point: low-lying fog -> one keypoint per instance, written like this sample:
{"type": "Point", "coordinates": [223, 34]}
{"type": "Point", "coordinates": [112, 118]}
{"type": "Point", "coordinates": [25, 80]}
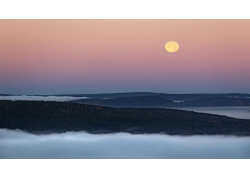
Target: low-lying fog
{"type": "Point", "coordinates": [242, 112]}
{"type": "Point", "coordinates": [41, 98]}
{"type": "Point", "coordinates": [19, 144]}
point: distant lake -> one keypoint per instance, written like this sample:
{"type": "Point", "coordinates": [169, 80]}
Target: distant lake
{"type": "Point", "coordinates": [242, 112]}
{"type": "Point", "coordinates": [82, 145]}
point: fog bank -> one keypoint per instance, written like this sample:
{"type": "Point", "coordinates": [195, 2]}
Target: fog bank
{"type": "Point", "coordinates": [241, 112]}
{"type": "Point", "coordinates": [41, 98]}
{"type": "Point", "coordinates": [19, 144]}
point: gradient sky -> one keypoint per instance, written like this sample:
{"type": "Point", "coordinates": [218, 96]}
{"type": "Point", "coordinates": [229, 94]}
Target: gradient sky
{"type": "Point", "coordinates": [104, 56]}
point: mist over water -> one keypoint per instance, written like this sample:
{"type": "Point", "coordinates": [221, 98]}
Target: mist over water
{"type": "Point", "coordinates": [19, 144]}
{"type": "Point", "coordinates": [41, 98]}
{"type": "Point", "coordinates": [241, 112]}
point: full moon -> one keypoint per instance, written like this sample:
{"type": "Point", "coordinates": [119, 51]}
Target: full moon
{"type": "Point", "coordinates": [172, 46]}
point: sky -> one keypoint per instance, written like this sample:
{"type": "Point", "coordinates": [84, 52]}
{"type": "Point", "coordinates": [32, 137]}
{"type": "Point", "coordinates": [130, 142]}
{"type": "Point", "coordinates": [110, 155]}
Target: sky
{"type": "Point", "coordinates": [109, 56]}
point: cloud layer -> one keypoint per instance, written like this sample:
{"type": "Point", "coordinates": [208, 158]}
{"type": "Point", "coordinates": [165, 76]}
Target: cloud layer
{"type": "Point", "coordinates": [19, 144]}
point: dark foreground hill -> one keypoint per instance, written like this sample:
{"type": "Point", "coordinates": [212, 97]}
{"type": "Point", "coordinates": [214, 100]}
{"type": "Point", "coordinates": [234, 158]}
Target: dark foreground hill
{"type": "Point", "coordinates": [42, 116]}
{"type": "Point", "coordinates": [157, 101]}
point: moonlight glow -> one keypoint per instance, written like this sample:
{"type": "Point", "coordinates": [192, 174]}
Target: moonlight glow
{"type": "Point", "coordinates": [172, 46]}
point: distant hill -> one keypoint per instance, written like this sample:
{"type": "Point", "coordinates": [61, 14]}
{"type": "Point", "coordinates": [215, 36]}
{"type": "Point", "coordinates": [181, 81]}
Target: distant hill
{"type": "Point", "coordinates": [158, 101]}
{"type": "Point", "coordinates": [136, 101]}
{"type": "Point", "coordinates": [184, 97]}
{"type": "Point", "coordinates": [216, 102]}
{"type": "Point", "coordinates": [172, 97]}
{"type": "Point", "coordinates": [42, 116]}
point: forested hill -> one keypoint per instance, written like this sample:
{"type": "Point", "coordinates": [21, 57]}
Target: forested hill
{"type": "Point", "coordinates": [137, 101]}
{"type": "Point", "coordinates": [184, 97]}
{"type": "Point", "coordinates": [41, 116]}
{"type": "Point", "coordinates": [156, 101]}
{"type": "Point", "coordinates": [217, 101]}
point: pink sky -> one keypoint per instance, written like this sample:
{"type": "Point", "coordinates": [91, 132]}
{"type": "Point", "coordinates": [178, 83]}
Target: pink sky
{"type": "Point", "coordinates": [95, 56]}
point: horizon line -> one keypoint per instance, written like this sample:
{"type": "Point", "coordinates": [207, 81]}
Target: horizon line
{"type": "Point", "coordinates": [60, 94]}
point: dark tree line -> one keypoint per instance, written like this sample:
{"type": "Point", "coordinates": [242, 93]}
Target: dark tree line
{"type": "Point", "coordinates": [35, 116]}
